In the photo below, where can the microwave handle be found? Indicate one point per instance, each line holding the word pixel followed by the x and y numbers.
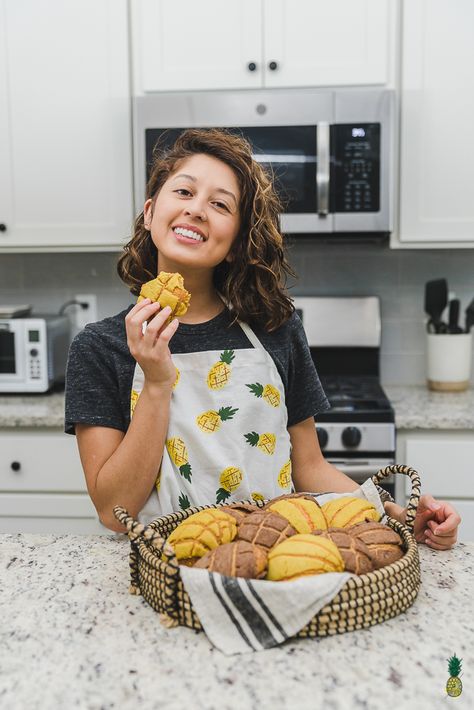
pixel 322 173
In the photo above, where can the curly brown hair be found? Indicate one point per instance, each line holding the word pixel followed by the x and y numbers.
pixel 253 282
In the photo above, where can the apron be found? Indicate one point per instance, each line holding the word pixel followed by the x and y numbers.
pixel 227 436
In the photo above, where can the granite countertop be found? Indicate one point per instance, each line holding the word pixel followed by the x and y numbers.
pixel 73 637
pixel 415 406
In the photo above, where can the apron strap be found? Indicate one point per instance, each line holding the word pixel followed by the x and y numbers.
pixel 251 335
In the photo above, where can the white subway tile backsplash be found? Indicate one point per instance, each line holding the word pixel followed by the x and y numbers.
pixel 396 276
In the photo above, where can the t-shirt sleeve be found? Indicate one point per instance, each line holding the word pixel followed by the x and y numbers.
pixel 305 395
pixel 92 391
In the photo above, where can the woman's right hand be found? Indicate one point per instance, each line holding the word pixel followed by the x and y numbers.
pixel 150 349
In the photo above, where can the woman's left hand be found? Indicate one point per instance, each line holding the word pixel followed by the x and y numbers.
pixel 436 523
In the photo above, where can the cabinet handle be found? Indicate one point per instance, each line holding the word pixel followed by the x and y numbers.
pixel 251 66
pixel 15 466
pixel 3 227
pixel 273 66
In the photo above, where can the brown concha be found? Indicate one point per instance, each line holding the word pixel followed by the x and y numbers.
pixel 384 544
pixel 354 552
pixel 240 510
pixel 265 528
pixel 236 559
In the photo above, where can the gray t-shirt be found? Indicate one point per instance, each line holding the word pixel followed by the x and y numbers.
pixel 100 367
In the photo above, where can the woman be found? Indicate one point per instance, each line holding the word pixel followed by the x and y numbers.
pixel 224 398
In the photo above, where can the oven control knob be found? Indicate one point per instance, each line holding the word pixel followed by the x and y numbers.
pixel 351 436
pixel 322 436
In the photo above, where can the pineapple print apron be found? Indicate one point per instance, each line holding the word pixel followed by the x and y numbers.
pixel 227 436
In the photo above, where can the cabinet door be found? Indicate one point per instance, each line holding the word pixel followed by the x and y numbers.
pixel 445 464
pixel 321 43
pixel 437 115
pixel 64 80
pixel 49 513
pixel 187 45
pixel 40 460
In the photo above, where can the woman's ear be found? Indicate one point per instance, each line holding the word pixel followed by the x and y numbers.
pixel 147 214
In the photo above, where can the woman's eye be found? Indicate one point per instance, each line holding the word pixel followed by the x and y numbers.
pixel 182 189
pixel 222 205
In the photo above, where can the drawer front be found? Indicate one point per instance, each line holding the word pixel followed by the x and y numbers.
pixel 49 513
pixel 446 467
pixel 40 461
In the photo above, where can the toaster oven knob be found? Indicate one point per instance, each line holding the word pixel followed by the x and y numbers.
pixel 33 352
pixel 273 66
pixel 351 436
pixel 3 227
pixel 15 465
pixel 322 436
pixel 251 66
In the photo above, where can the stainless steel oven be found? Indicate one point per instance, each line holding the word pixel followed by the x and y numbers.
pixel 330 150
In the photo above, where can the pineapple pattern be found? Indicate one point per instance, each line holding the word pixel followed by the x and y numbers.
pixel 454 684
pixel 284 477
pixel 269 393
pixel 255 496
pixel 179 454
pixel 266 442
pixel 219 374
pixel 133 401
pixel 230 479
pixel 210 421
pixel 178 375
pixel 183 501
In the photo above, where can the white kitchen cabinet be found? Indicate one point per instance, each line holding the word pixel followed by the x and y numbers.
pixel 437 114
pixel 445 461
pixel 42 485
pixel 65 126
pixel 261 43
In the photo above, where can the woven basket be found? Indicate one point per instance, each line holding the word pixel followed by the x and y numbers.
pixel 363 601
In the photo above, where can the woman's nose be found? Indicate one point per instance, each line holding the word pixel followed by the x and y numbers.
pixel 195 208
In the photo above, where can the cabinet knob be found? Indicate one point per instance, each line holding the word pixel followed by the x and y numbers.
pixel 273 66
pixel 15 465
pixel 3 227
pixel 251 66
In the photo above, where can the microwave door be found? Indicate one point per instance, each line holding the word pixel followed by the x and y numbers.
pixel 12 348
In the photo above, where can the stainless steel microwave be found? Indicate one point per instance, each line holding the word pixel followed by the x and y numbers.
pixel 33 353
pixel 331 150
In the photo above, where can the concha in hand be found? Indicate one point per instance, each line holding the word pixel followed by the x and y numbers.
pixel 384 544
pixel 303 555
pixel 304 514
pixel 354 552
pixel 168 289
pixel 202 532
pixel 348 510
pixel 236 559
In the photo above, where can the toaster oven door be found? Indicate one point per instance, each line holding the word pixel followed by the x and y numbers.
pixel 12 350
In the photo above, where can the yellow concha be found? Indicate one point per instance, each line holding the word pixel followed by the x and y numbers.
pixel 304 515
pixel 168 289
pixel 302 555
pixel 202 532
pixel 347 510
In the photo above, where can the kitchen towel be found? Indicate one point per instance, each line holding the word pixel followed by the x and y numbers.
pixel 241 615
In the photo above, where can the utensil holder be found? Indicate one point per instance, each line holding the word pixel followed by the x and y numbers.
pixel 448 362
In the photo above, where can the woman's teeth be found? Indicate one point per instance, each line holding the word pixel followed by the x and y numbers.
pixel 188 233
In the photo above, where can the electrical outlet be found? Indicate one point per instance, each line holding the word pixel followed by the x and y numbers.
pixel 82 316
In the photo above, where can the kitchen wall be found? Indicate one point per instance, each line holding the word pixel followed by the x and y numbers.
pixel 397 277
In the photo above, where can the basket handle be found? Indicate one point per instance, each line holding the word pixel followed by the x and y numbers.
pixel 139 532
pixel 415 488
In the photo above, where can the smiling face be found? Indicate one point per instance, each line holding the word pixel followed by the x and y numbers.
pixel 195 217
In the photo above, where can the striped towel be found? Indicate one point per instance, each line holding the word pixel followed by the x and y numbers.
pixel 241 615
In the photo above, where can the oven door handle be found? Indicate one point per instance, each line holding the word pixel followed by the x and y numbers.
pixel 363 468
pixel 322 168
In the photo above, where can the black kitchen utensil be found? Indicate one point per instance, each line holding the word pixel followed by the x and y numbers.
pixel 436 300
pixel 453 323
pixel 469 316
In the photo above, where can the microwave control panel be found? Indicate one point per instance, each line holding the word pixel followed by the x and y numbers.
pixel 355 167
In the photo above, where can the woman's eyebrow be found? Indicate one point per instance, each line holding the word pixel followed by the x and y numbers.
pixel 218 189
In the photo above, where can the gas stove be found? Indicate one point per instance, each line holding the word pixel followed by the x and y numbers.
pixel 357 434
